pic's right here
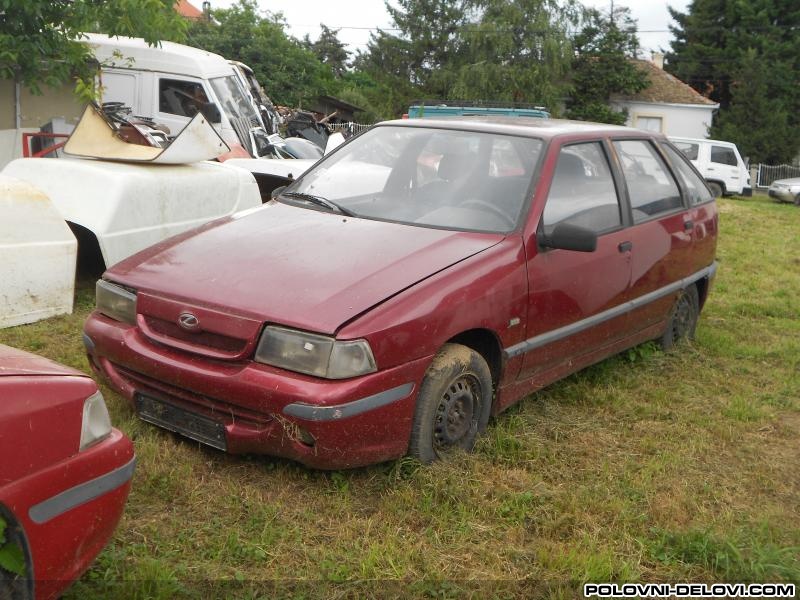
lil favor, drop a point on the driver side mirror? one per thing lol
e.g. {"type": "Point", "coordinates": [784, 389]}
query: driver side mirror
{"type": "Point", "coordinates": [566, 236]}
{"type": "Point", "coordinates": [211, 112]}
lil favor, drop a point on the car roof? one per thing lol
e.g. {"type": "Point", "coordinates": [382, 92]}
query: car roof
{"type": "Point", "coordinates": [524, 126]}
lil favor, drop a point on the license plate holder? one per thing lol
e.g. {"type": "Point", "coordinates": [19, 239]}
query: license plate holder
{"type": "Point", "coordinates": [187, 423]}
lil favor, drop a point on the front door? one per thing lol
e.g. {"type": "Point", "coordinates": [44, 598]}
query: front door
{"type": "Point", "coordinates": [571, 293]}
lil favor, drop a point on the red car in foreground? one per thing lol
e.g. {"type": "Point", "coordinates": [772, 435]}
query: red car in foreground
{"type": "Point", "coordinates": [421, 277]}
{"type": "Point", "coordinates": [64, 475]}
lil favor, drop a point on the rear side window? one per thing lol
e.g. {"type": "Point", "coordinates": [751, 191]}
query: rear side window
{"type": "Point", "coordinates": [582, 191]}
{"type": "Point", "coordinates": [651, 188]}
{"type": "Point", "coordinates": [723, 156]}
{"type": "Point", "coordinates": [183, 98]}
{"type": "Point", "coordinates": [691, 151]}
{"type": "Point", "coordinates": [698, 192]}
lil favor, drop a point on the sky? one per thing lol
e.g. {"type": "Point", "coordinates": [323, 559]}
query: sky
{"type": "Point", "coordinates": [357, 17]}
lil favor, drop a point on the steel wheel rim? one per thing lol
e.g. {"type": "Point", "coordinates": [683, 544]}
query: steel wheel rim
{"type": "Point", "coordinates": [457, 413]}
{"type": "Point", "coordinates": [682, 321]}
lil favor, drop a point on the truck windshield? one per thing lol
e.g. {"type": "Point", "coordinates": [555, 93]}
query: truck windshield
{"type": "Point", "coordinates": [460, 180]}
{"type": "Point", "coordinates": [233, 101]}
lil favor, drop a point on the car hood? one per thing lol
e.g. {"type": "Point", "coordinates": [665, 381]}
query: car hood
{"type": "Point", "coordinates": [299, 267]}
{"type": "Point", "coordinates": [17, 362]}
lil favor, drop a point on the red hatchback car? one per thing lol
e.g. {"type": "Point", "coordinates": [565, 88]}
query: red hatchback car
{"type": "Point", "coordinates": [423, 276]}
{"type": "Point", "coordinates": [64, 474]}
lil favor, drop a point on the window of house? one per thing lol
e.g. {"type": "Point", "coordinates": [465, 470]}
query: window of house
{"type": "Point", "coordinates": [651, 188]}
{"type": "Point", "coordinates": [582, 191]}
{"type": "Point", "coordinates": [183, 98]}
{"type": "Point", "coordinates": [723, 156]}
{"type": "Point", "coordinates": [698, 192]}
{"type": "Point", "coordinates": [649, 123]}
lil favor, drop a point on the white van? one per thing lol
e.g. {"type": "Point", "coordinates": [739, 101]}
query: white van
{"type": "Point", "coordinates": [170, 83]}
{"type": "Point", "coordinates": [719, 163]}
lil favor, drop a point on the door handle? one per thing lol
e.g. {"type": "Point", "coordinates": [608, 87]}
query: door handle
{"type": "Point", "coordinates": [687, 225]}
{"type": "Point", "coordinates": [625, 246]}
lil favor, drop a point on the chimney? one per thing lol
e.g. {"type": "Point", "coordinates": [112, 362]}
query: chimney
{"type": "Point", "coordinates": [658, 59]}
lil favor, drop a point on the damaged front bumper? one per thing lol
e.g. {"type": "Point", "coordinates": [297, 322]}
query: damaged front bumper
{"type": "Point", "coordinates": [247, 407]}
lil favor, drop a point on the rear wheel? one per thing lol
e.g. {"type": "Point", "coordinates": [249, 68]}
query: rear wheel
{"type": "Point", "coordinates": [683, 318]}
{"type": "Point", "coordinates": [453, 404]}
{"type": "Point", "coordinates": [797, 200]}
{"type": "Point", "coordinates": [716, 189]}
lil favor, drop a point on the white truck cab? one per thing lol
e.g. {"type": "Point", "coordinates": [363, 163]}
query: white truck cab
{"type": "Point", "coordinates": [719, 163]}
{"type": "Point", "coordinates": [171, 83]}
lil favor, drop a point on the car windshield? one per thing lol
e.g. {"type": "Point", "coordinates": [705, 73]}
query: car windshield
{"type": "Point", "coordinates": [424, 176]}
{"type": "Point", "coordinates": [233, 100]}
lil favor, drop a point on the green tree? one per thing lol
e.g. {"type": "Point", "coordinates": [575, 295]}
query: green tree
{"type": "Point", "coordinates": [487, 50]}
{"type": "Point", "coordinates": [330, 50]}
{"type": "Point", "coordinates": [40, 39]}
{"type": "Point", "coordinates": [755, 121]}
{"type": "Point", "coordinates": [602, 66]}
{"type": "Point", "coordinates": [717, 41]}
{"type": "Point", "coordinates": [290, 72]}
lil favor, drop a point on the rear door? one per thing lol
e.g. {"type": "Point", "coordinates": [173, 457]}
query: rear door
{"type": "Point", "coordinates": [569, 291]}
{"type": "Point", "coordinates": [702, 209]}
{"type": "Point", "coordinates": [661, 232]}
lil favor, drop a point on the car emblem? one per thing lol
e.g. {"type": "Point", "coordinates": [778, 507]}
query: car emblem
{"type": "Point", "coordinates": [189, 322]}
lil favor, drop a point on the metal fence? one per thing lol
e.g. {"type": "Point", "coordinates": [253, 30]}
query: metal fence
{"type": "Point", "coordinates": [766, 174]}
{"type": "Point", "coordinates": [352, 128]}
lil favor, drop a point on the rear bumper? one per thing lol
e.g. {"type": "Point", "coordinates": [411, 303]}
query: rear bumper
{"type": "Point", "coordinates": [321, 423]}
{"type": "Point", "coordinates": [69, 511]}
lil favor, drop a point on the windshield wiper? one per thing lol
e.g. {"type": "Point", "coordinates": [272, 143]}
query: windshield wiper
{"type": "Point", "coordinates": [320, 201]}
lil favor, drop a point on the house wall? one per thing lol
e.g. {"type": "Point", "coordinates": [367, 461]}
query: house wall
{"type": "Point", "coordinates": [682, 120]}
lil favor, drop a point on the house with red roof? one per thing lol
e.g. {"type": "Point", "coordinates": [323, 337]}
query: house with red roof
{"type": "Point", "coordinates": [667, 104]}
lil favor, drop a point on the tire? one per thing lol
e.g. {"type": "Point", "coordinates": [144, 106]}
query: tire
{"type": "Point", "coordinates": [453, 404]}
{"type": "Point", "coordinates": [716, 189]}
{"type": "Point", "coordinates": [797, 200]}
{"type": "Point", "coordinates": [682, 319]}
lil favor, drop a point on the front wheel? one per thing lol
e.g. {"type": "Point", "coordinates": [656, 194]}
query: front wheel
{"type": "Point", "coordinates": [683, 318]}
{"type": "Point", "coordinates": [453, 404]}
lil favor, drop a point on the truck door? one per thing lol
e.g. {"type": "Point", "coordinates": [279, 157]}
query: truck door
{"type": "Point", "coordinates": [177, 100]}
{"type": "Point", "coordinates": [724, 165]}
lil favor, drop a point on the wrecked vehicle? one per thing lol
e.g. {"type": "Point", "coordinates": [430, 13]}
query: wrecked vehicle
{"type": "Point", "coordinates": [64, 475]}
{"type": "Point", "coordinates": [477, 261]}
{"type": "Point", "coordinates": [116, 198]}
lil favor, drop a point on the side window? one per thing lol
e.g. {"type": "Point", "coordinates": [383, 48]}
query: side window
{"type": "Point", "coordinates": [723, 156]}
{"type": "Point", "coordinates": [651, 188]}
{"type": "Point", "coordinates": [582, 191]}
{"type": "Point", "coordinates": [183, 98]}
{"type": "Point", "coordinates": [692, 151]}
{"type": "Point", "coordinates": [698, 192]}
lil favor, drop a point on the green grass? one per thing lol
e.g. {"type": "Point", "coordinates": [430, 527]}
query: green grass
{"type": "Point", "coordinates": [646, 467]}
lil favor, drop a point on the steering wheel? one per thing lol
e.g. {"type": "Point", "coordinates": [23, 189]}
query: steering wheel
{"type": "Point", "coordinates": [489, 207]}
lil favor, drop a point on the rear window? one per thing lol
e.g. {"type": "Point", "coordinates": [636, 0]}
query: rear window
{"type": "Point", "coordinates": [723, 156]}
{"type": "Point", "coordinates": [698, 192]}
{"type": "Point", "coordinates": [651, 188]}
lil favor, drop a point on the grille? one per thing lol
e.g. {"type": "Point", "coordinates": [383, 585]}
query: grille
{"type": "Point", "coordinates": [224, 343]}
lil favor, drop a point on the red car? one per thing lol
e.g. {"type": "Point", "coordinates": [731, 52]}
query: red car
{"type": "Point", "coordinates": [423, 276]}
{"type": "Point", "coordinates": [64, 475]}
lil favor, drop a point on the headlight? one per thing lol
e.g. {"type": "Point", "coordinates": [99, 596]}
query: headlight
{"type": "Point", "coordinates": [314, 354]}
{"type": "Point", "coordinates": [115, 301]}
{"type": "Point", "coordinates": [96, 424]}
